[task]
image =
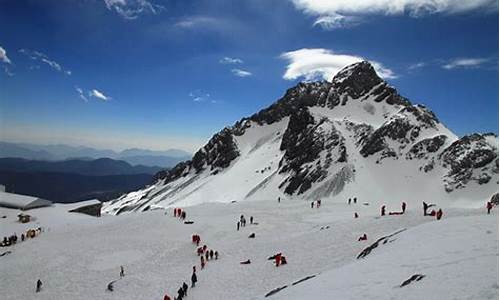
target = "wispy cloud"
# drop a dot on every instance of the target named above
(230, 60)
(334, 21)
(132, 9)
(201, 96)
(99, 95)
(332, 14)
(314, 64)
(3, 56)
(81, 94)
(39, 56)
(241, 73)
(193, 22)
(417, 66)
(465, 63)
(7, 71)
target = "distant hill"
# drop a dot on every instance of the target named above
(97, 167)
(66, 187)
(163, 159)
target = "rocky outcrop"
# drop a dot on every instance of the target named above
(470, 158)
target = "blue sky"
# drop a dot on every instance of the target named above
(164, 74)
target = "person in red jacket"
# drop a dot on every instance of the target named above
(277, 259)
(489, 206)
(403, 207)
(382, 210)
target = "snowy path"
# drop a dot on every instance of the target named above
(78, 255)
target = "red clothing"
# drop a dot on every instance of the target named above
(277, 259)
(166, 297)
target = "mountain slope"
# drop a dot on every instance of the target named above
(355, 136)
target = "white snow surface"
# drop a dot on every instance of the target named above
(76, 255)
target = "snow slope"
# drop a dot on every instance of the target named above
(77, 255)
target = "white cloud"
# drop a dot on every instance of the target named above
(81, 94)
(39, 56)
(132, 9)
(334, 12)
(99, 95)
(7, 71)
(241, 73)
(3, 56)
(199, 21)
(334, 21)
(200, 96)
(314, 64)
(416, 66)
(230, 60)
(465, 63)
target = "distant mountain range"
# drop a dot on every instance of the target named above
(73, 180)
(134, 156)
(97, 167)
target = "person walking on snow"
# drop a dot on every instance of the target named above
(489, 206)
(403, 207)
(382, 210)
(312, 204)
(38, 285)
(194, 279)
(216, 255)
(211, 254)
(356, 215)
(251, 219)
(238, 226)
(355, 200)
(122, 272)
(180, 293)
(202, 262)
(349, 202)
(439, 214)
(207, 255)
(185, 288)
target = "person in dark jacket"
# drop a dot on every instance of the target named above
(185, 288)
(194, 279)
(238, 225)
(180, 293)
(38, 285)
(251, 219)
(403, 207)
(439, 214)
(211, 254)
(489, 206)
(382, 210)
(216, 255)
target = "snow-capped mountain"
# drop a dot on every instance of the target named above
(352, 137)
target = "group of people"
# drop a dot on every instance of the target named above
(354, 200)
(403, 210)
(318, 203)
(13, 239)
(243, 222)
(179, 213)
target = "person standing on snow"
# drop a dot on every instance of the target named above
(312, 204)
(38, 285)
(349, 202)
(489, 206)
(403, 207)
(251, 219)
(185, 288)
(202, 262)
(211, 254)
(439, 214)
(180, 293)
(122, 272)
(238, 226)
(216, 255)
(382, 210)
(277, 259)
(356, 215)
(194, 279)
(425, 207)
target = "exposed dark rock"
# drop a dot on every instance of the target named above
(421, 149)
(465, 155)
(382, 240)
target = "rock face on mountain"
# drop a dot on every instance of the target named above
(355, 134)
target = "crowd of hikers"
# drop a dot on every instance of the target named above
(13, 239)
(179, 213)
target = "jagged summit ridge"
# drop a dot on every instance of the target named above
(322, 139)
